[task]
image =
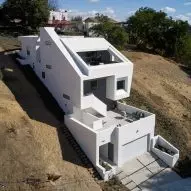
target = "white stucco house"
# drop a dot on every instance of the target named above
(60, 15)
(87, 77)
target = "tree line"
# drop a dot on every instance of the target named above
(26, 13)
(151, 30)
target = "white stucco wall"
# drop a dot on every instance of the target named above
(64, 77)
(29, 43)
(58, 15)
(86, 138)
(134, 131)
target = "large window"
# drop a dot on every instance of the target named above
(121, 85)
(100, 57)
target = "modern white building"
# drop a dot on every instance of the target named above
(60, 15)
(87, 77)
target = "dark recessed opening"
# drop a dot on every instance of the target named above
(43, 75)
(94, 85)
(66, 96)
(121, 84)
(28, 52)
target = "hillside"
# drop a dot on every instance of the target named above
(32, 146)
(34, 153)
(160, 86)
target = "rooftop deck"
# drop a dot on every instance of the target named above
(114, 118)
(119, 118)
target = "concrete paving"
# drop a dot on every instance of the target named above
(157, 166)
(147, 158)
(141, 176)
(146, 172)
(165, 177)
(181, 185)
(132, 166)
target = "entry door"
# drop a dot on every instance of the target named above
(110, 151)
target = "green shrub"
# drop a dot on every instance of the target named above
(1, 75)
(183, 51)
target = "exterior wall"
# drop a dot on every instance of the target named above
(64, 76)
(29, 43)
(113, 72)
(88, 119)
(99, 92)
(133, 131)
(87, 27)
(58, 15)
(110, 135)
(86, 138)
(104, 150)
(88, 141)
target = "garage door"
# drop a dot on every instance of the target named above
(135, 148)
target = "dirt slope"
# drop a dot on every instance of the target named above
(167, 88)
(31, 143)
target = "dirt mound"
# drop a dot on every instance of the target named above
(34, 153)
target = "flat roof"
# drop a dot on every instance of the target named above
(86, 44)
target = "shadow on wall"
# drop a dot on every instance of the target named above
(37, 101)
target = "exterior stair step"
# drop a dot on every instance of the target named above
(121, 176)
(126, 180)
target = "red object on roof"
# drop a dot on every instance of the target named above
(58, 23)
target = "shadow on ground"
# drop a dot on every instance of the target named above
(36, 101)
(186, 69)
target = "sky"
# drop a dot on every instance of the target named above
(122, 9)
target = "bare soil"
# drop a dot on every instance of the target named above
(160, 86)
(34, 153)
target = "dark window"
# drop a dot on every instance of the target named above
(121, 84)
(49, 66)
(43, 75)
(28, 52)
(66, 96)
(48, 43)
(94, 85)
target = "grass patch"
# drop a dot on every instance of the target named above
(113, 185)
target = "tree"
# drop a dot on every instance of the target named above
(33, 13)
(153, 30)
(183, 50)
(115, 34)
(77, 18)
(102, 18)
